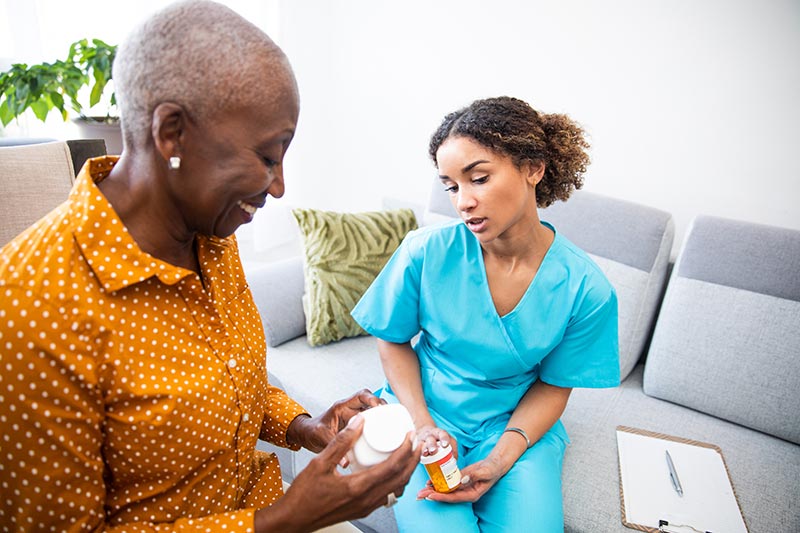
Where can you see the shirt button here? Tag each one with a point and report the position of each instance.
(231, 363)
(246, 417)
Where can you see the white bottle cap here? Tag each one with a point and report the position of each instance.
(385, 428)
(441, 452)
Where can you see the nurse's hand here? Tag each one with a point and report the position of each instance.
(476, 480)
(430, 436)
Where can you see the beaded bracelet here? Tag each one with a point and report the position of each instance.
(521, 432)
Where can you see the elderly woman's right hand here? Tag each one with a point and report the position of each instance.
(320, 495)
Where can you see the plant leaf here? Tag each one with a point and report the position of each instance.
(22, 93)
(40, 109)
(6, 115)
(44, 86)
(97, 91)
(58, 101)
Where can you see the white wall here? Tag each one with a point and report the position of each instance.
(34, 31)
(693, 106)
(42, 30)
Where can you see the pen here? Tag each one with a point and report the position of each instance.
(673, 475)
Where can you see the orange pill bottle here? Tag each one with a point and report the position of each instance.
(442, 469)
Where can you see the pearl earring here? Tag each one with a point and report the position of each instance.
(174, 162)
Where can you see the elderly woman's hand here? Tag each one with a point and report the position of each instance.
(315, 433)
(321, 495)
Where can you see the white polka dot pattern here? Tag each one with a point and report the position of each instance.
(131, 396)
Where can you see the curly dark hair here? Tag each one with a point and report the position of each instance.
(513, 128)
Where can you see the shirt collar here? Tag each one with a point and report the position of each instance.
(109, 249)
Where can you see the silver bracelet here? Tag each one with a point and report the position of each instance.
(521, 432)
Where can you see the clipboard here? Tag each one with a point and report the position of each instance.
(648, 499)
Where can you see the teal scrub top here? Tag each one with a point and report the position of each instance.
(475, 364)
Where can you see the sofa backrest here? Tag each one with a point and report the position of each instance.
(34, 179)
(439, 207)
(82, 149)
(727, 340)
(630, 242)
(278, 294)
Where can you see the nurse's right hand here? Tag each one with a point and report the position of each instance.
(430, 436)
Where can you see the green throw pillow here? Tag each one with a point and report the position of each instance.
(344, 252)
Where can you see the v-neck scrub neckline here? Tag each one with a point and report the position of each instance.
(530, 286)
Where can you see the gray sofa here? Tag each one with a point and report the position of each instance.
(723, 365)
(710, 352)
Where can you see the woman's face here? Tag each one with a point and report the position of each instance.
(230, 165)
(489, 192)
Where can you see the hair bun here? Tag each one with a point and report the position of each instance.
(512, 127)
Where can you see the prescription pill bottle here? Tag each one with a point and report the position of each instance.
(385, 429)
(442, 469)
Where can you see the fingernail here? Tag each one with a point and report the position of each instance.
(355, 421)
(465, 480)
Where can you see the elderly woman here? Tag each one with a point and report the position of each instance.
(133, 387)
(527, 317)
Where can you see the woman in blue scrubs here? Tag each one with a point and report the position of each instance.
(510, 314)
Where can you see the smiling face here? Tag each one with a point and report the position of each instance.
(231, 164)
(493, 197)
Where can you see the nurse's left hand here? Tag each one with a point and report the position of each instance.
(315, 433)
(476, 480)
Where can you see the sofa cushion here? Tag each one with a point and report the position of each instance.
(343, 254)
(34, 179)
(764, 469)
(339, 370)
(317, 377)
(726, 342)
(278, 291)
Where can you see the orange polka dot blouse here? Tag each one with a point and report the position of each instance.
(131, 396)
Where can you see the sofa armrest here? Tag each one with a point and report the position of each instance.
(278, 293)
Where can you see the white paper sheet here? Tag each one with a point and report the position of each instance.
(708, 502)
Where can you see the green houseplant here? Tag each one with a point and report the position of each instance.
(47, 86)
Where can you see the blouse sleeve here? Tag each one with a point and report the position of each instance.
(389, 310)
(588, 354)
(280, 414)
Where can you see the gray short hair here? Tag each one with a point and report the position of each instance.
(199, 54)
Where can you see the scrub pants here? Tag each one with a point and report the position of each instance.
(526, 500)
